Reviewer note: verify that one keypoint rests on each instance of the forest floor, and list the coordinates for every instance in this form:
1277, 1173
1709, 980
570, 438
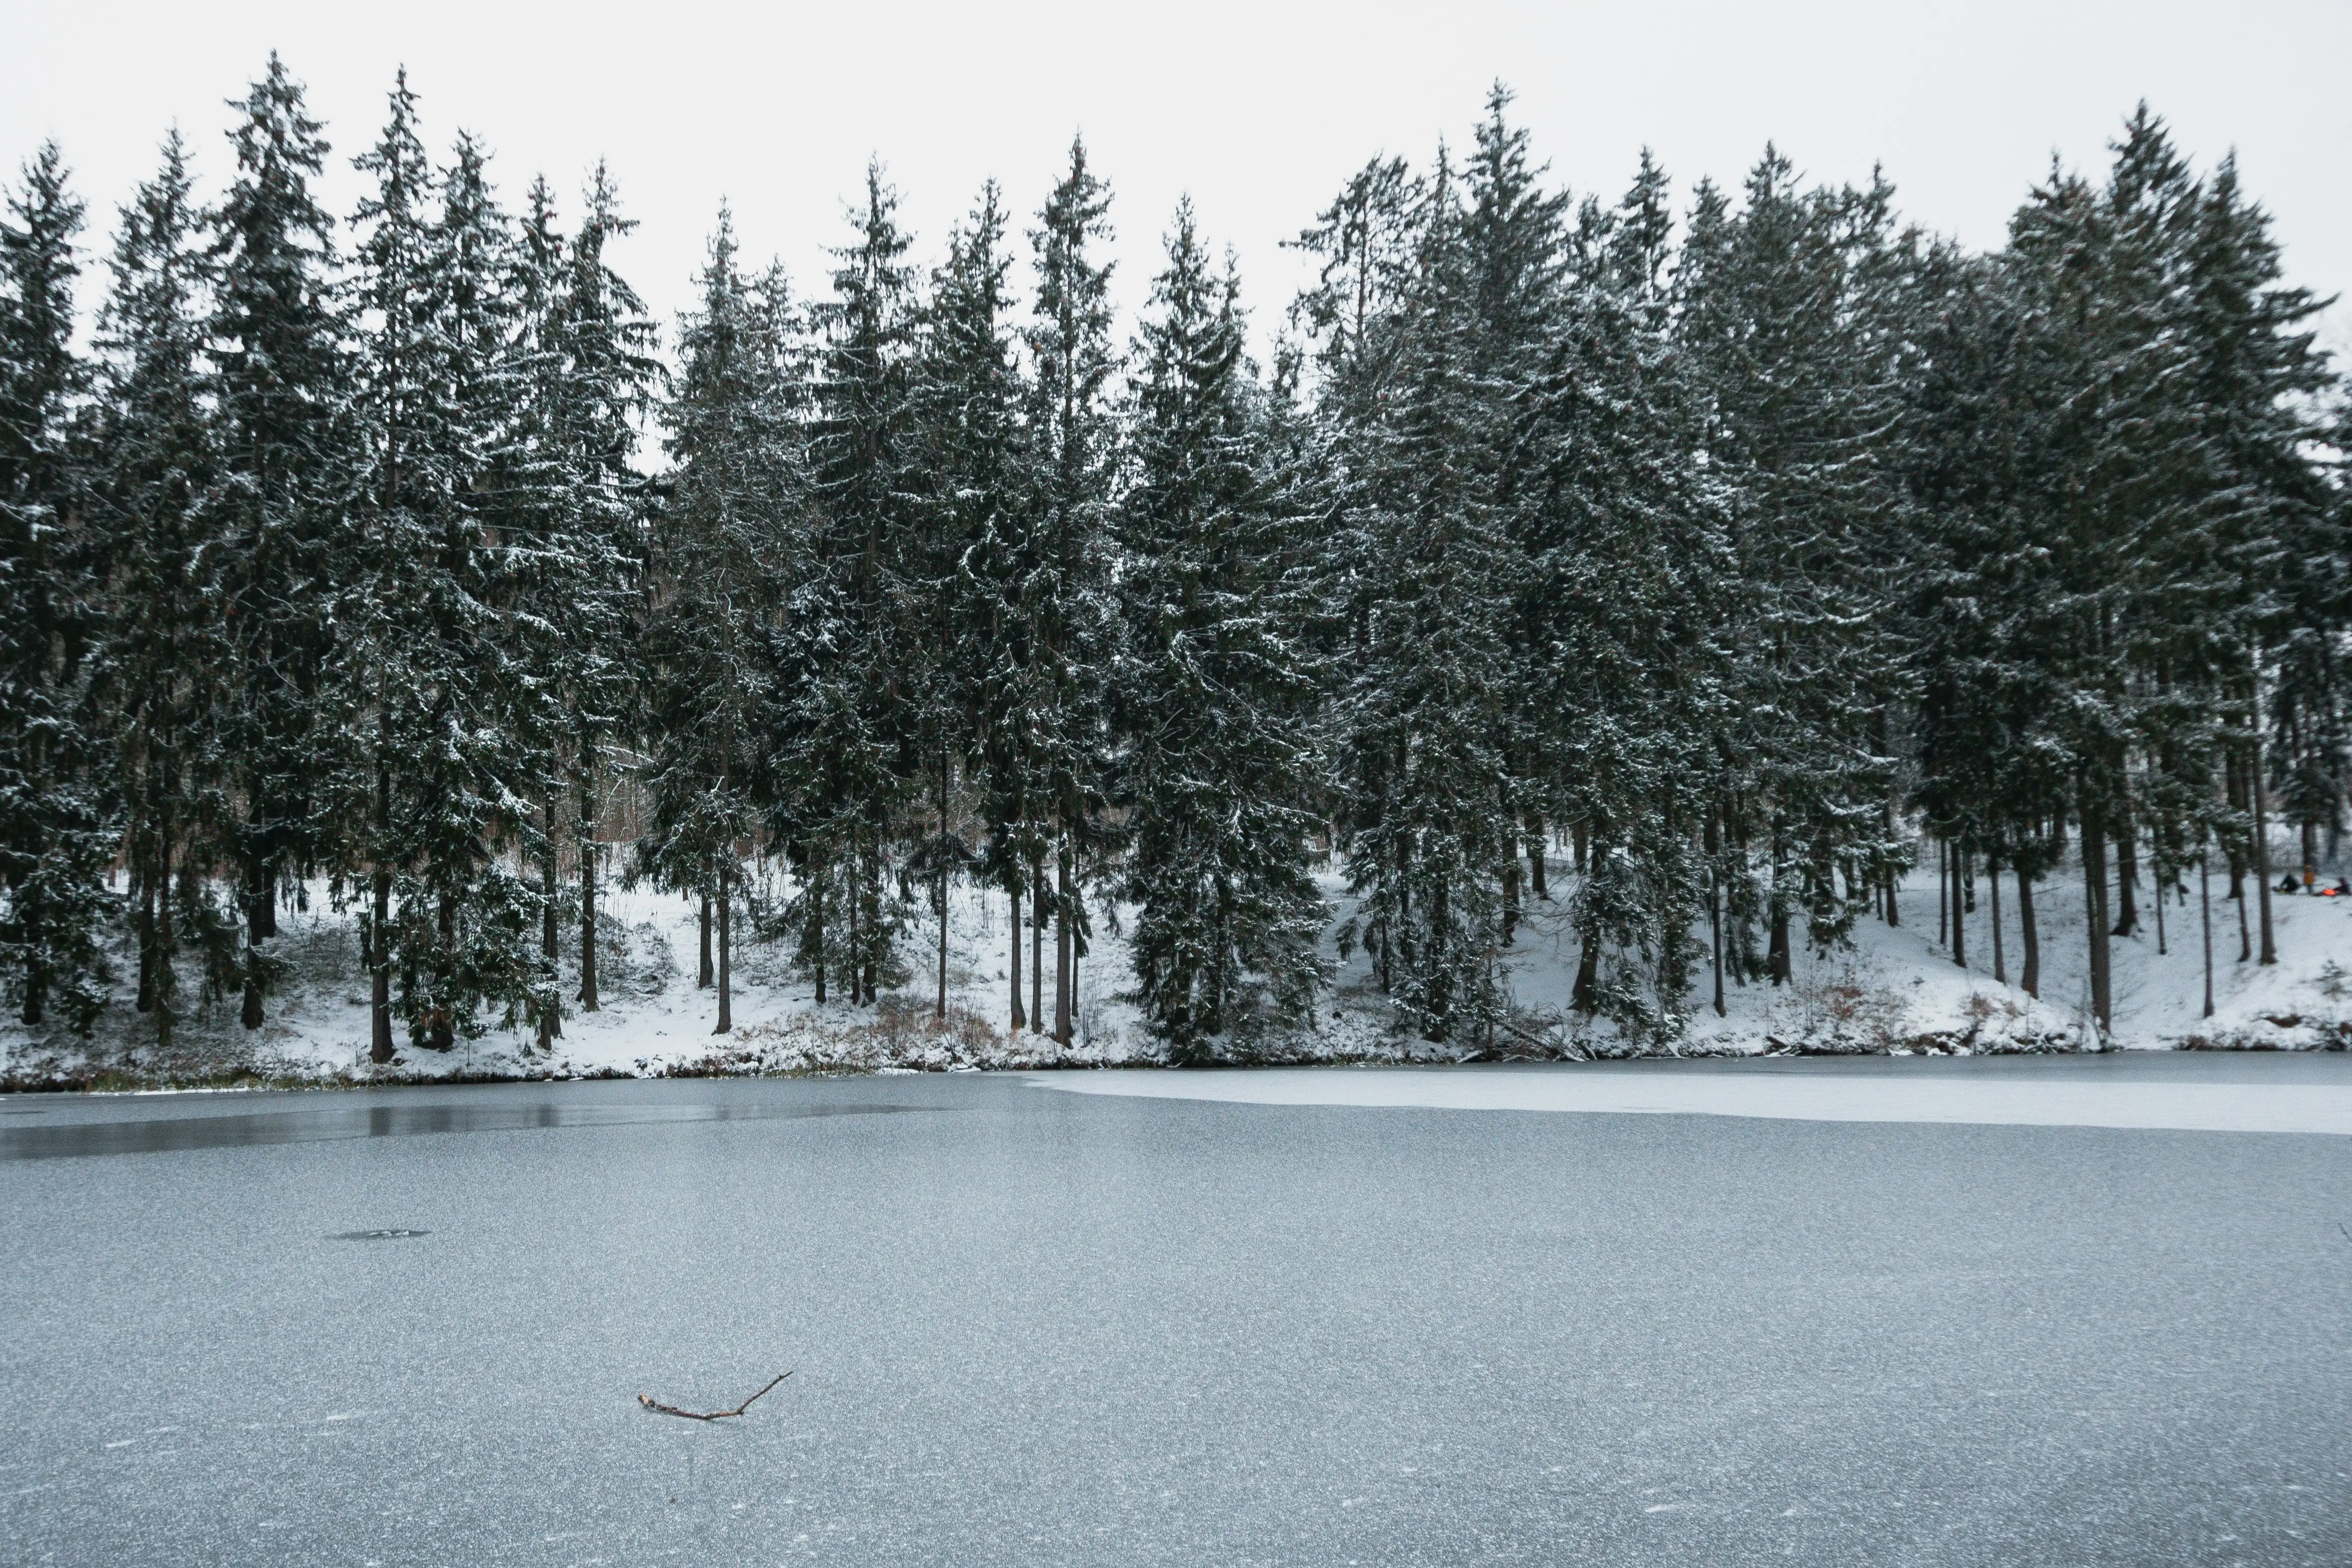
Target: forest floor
1890, 990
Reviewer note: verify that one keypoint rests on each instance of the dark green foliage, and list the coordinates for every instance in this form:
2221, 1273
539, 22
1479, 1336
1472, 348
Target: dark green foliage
55, 829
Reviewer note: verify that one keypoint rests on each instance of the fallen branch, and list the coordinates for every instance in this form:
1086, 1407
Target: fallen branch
650, 1402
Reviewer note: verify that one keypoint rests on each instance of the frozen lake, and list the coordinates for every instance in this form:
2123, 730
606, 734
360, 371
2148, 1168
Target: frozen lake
2025, 1310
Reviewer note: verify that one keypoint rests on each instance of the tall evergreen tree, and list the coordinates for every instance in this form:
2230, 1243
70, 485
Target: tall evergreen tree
166, 649
1213, 692
971, 563
55, 816
1074, 453
1423, 753
279, 375
719, 600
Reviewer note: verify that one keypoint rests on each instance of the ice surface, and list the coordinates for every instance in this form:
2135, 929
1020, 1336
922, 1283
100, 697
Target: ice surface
1118, 1333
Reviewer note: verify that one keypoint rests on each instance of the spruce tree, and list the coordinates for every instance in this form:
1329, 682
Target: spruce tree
1212, 690
735, 489
166, 649
56, 827
972, 565
279, 374
1424, 714
1071, 614
606, 380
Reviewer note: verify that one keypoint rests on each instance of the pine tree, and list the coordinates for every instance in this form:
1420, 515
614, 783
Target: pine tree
862, 754
438, 403
279, 373
1074, 453
1424, 714
56, 827
165, 645
1628, 709
971, 564
735, 491
1783, 316
1212, 690
606, 380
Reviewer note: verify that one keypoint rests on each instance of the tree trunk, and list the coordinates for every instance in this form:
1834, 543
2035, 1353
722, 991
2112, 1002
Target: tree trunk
1585, 998
2205, 917
1943, 895
165, 985
550, 935
1511, 899
1020, 1018
2094, 888
2029, 974
441, 1033
1581, 834
820, 887
147, 937
2126, 879
2261, 856
1062, 950
1992, 880
2160, 889
705, 976
1959, 906
1537, 876
941, 1012
261, 898
1776, 960
1714, 931
1037, 945
587, 894
725, 971
1713, 844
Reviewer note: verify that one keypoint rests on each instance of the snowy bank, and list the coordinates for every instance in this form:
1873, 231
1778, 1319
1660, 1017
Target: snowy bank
1891, 989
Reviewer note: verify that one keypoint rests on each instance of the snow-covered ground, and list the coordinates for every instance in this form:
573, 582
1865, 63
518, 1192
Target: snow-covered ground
1893, 989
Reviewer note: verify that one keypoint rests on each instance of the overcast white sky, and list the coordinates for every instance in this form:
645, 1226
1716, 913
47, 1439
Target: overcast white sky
1259, 109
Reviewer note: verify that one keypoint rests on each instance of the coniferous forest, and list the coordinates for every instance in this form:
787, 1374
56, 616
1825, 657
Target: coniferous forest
1719, 554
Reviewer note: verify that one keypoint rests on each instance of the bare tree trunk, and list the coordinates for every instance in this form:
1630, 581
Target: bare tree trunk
1020, 1018
1062, 950
144, 865
942, 1011
165, 985
2094, 885
1777, 958
1037, 945
1511, 899
2126, 877
726, 976
2029, 974
551, 1017
2205, 914
705, 976
1943, 896
2262, 850
1993, 878
820, 887
1537, 877
1959, 906
587, 834
1713, 844
441, 1028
